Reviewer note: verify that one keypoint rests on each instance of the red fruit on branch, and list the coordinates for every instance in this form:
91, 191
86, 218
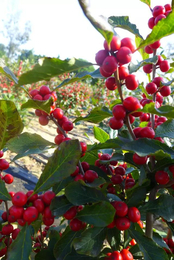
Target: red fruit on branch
120, 207
139, 160
119, 112
90, 176
101, 56
124, 55
131, 82
134, 214
126, 254
131, 103
19, 199
110, 64
110, 83
162, 177
115, 123
122, 223
76, 224
70, 213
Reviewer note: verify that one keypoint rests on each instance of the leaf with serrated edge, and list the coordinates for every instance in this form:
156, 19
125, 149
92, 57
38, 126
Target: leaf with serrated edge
100, 134
60, 165
133, 68
38, 104
99, 215
7, 72
48, 68
26, 144
147, 2
166, 129
144, 55
60, 205
21, 248
90, 242
10, 122
150, 250
124, 23
163, 28
4, 195
79, 194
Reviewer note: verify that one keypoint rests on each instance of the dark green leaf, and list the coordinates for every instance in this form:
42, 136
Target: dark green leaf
90, 157
64, 246
90, 242
162, 206
147, 2
114, 238
10, 122
163, 28
150, 250
21, 248
45, 254
159, 240
26, 144
134, 67
74, 256
79, 194
96, 183
111, 143
37, 104
48, 68
135, 196
80, 76
100, 134
60, 205
171, 226
97, 115
4, 195
124, 23
100, 214
166, 129
62, 184
60, 165
99, 22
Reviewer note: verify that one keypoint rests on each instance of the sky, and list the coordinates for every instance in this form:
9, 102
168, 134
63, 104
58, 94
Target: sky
59, 27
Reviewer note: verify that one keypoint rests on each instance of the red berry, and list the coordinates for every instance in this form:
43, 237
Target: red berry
38, 112
57, 113
123, 72
131, 82
34, 92
4, 216
105, 74
7, 229
48, 221
121, 208
33, 197
148, 49
134, 214
21, 222
30, 214
131, 103
19, 199
43, 120
115, 256
126, 254
39, 205
165, 91
120, 170
164, 66
159, 17
67, 126
75, 172
151, 88
115, 123
167, 7
38, 97
117, 179
144, 117
155, 45
139, 160
59, 139
4, 165
48, 196
79, 177
105, 157
147, 132
158, 81
44, 90
47, 213
46, 97
1, 154
162, 177
124, 55
115, 43
128, 42
71, 213
119, 112
90, 176
8, 178
110, 64
15, 233
85, 166
122, 223
157, 10
76, 224
83, 147
147, 68
101, 56
151, 22
110, 83
16, 211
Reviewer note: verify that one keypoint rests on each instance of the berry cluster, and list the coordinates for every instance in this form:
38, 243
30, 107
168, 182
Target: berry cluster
124, 215
170, 243
87, 175
4, 165
124, 254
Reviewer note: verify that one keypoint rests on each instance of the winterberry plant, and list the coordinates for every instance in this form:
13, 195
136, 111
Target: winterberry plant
100, 200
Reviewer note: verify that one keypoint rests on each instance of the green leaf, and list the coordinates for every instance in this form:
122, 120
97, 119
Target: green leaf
4, 195
100, 134
90, 242
60, 205
149, 147
163, 28
26, 144
90, 157
166, 129
150, 250
159, 240
99, 22
111, 143
100, 214
7, 72
45, 254
144, 55
163, 206
114, 238
133, 68
60, 165
171, 226
147, 2
97, 115
80, 76
74, 256
10, 122
37, 104
21, 248
124, 23
62, 184
172, 4
48, 68
63, 246
166, 110
79, 194
136, 196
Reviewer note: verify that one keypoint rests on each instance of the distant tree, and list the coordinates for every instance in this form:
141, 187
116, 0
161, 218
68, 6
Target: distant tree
29, 55
15, 36
2, 50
